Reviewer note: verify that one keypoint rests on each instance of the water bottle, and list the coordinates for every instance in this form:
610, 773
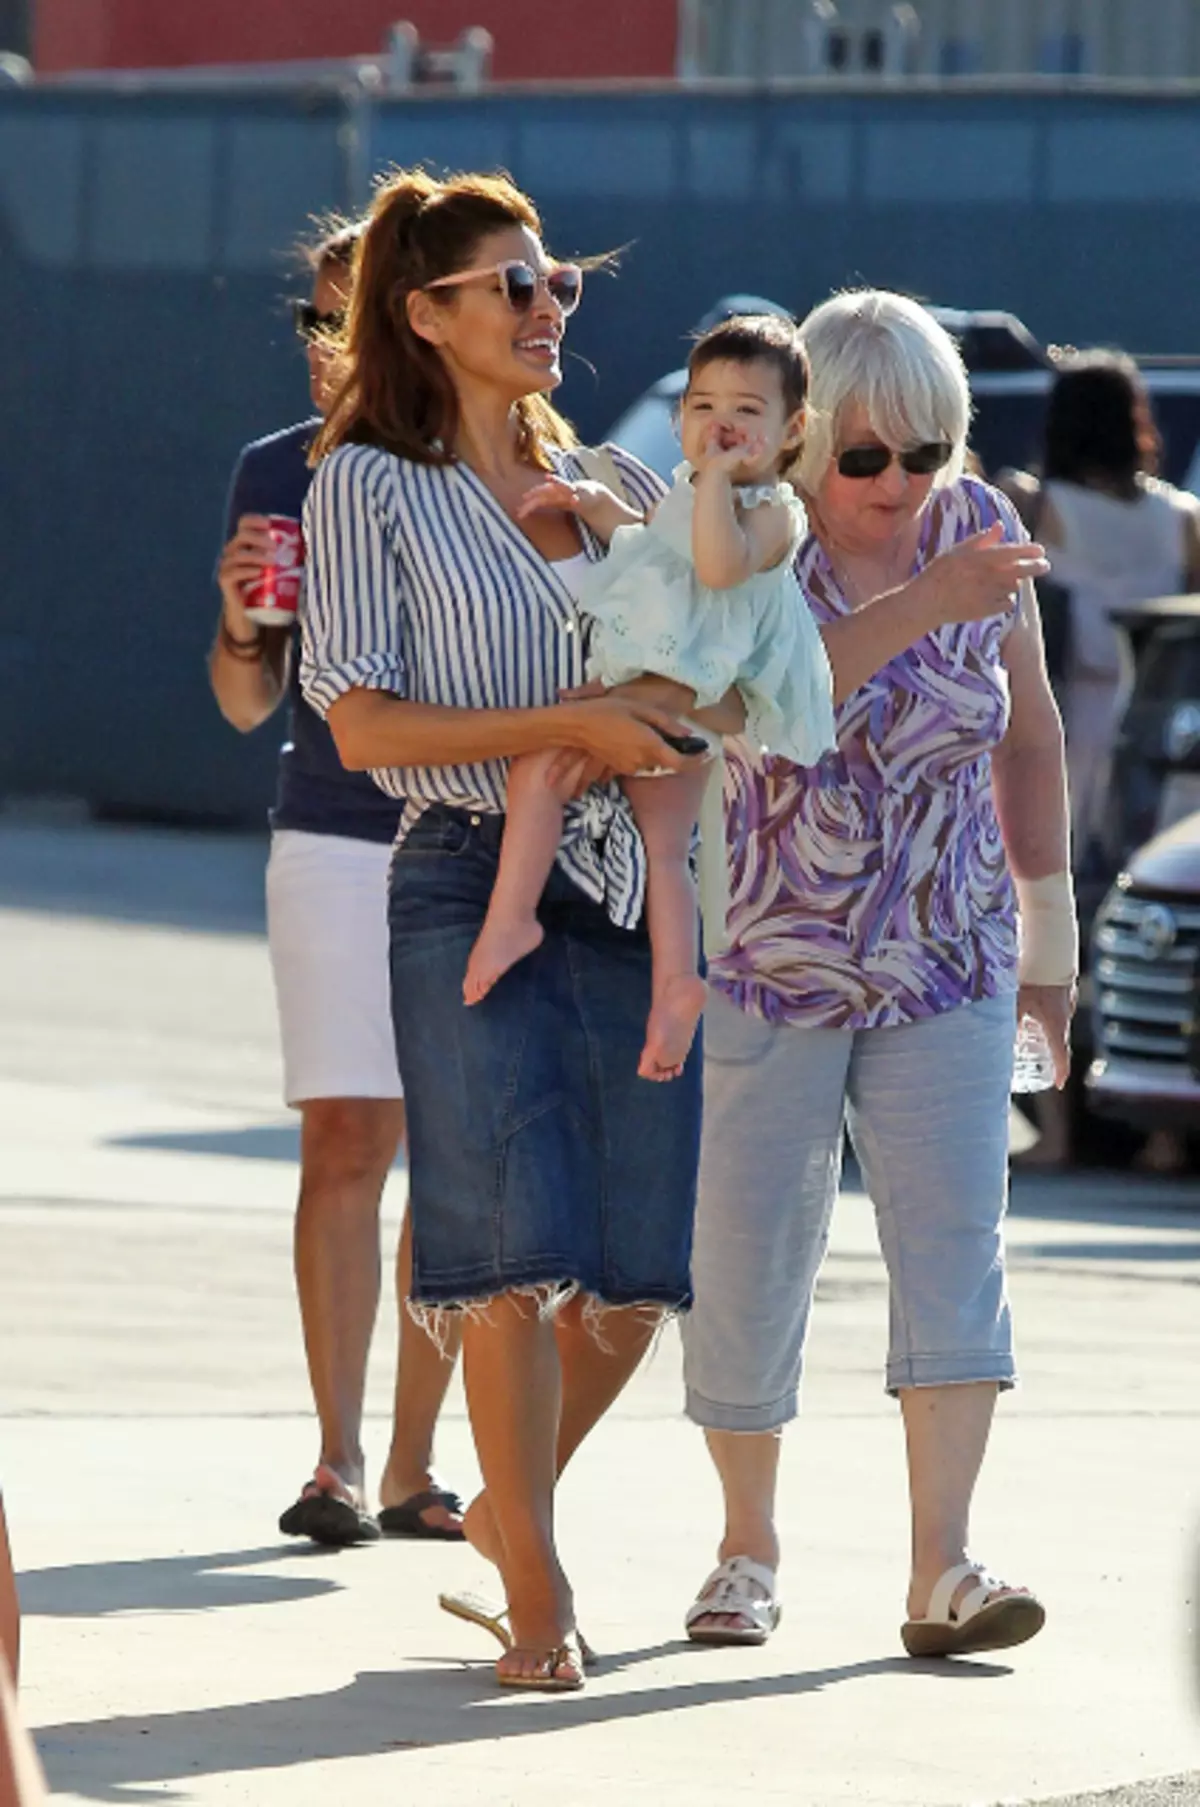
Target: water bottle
1033, 1066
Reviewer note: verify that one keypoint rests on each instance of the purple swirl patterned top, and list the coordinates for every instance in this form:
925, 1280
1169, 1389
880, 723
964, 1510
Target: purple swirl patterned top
872, 889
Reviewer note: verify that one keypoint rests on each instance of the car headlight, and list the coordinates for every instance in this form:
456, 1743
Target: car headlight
1181, 736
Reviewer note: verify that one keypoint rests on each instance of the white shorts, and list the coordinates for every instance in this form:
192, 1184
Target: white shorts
327, 930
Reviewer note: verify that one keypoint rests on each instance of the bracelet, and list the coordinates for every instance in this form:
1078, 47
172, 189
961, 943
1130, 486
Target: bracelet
249, 652
1049, 930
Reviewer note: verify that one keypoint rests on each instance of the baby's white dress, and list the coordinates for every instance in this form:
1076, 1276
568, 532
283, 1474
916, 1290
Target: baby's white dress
652, 614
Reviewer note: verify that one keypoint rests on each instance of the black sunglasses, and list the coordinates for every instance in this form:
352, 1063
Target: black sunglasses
872, 460
519, 283
312, 325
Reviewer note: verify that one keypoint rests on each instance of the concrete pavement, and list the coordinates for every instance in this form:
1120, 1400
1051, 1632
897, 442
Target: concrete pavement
154, 1419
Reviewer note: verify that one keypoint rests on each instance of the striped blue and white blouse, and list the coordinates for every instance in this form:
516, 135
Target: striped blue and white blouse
420, 584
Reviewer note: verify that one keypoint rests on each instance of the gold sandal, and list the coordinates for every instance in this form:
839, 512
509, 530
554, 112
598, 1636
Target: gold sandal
490, 1617
545, 1678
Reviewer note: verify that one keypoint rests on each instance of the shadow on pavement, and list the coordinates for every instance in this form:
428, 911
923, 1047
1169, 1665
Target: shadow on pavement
412, 1709
199, 1583
258, 1142
168, 878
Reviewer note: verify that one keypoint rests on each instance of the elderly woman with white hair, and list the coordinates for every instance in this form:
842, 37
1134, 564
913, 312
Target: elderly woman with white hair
872, 979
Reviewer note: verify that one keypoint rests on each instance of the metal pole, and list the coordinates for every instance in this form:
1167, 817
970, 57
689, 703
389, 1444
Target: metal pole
402, 49
474, 59
822, 17
902, 36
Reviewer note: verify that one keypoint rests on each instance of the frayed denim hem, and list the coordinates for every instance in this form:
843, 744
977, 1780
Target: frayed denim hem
437, 1317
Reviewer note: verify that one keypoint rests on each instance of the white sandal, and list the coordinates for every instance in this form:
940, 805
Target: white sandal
979, 1622
727, 1590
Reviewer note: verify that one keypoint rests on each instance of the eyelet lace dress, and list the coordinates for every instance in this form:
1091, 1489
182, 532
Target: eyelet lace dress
652, 614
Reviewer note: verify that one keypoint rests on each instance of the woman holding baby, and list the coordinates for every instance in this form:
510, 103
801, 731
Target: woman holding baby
552, 1187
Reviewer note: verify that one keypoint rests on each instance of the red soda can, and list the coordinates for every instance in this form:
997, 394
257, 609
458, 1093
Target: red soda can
273, 598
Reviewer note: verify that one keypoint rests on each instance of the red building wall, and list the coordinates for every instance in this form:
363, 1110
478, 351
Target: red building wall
535, 39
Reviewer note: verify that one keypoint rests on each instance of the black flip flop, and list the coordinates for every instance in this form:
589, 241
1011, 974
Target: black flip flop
405, 1520
328, 1520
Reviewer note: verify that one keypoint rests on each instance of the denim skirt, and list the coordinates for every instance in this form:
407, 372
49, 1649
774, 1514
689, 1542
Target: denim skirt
537, 1157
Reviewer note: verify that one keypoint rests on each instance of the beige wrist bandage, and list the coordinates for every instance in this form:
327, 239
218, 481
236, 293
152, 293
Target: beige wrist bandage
1049, 930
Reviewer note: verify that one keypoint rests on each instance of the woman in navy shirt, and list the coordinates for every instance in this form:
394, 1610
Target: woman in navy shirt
327, 928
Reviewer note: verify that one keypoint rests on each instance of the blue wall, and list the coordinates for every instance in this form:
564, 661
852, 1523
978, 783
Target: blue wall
141, 282
143, 342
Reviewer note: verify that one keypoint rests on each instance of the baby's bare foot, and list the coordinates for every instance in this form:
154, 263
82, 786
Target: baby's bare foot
673, 1017
498, 948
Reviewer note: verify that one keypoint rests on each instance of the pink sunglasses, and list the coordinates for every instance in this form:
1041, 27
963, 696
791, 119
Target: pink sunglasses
519, 283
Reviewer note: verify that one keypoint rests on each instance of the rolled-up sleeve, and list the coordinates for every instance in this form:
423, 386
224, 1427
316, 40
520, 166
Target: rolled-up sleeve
352, 631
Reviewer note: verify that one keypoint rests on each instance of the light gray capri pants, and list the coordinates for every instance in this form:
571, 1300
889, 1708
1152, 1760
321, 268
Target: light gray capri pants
926, 1104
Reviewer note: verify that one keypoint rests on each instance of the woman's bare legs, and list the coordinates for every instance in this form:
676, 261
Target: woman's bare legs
593, 1370
532, 832
946, 1430
347, 1146
666, 810
748, 1465
514, 1394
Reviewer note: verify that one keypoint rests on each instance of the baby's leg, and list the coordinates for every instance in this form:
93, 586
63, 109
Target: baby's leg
532, 831
666, 810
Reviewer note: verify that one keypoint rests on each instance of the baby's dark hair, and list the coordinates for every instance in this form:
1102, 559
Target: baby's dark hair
757, 339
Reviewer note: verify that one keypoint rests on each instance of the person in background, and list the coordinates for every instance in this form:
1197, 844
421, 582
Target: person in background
872, 982
1115, 535
332, 832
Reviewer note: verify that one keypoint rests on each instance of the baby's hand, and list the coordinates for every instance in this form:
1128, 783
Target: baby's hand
728, 449
590, 501
594, 503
